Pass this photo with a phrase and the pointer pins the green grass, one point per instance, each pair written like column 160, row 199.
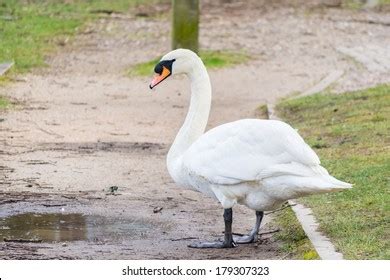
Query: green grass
column 4, row 103
column 31, row 29
column 295, row 242
column 350, row 132
column 357, row 4
column 212, row 60
column 261, row 112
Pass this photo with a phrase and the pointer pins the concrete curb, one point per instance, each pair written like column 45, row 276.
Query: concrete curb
column 4, row 67
column 323, row 84
column 321, row 243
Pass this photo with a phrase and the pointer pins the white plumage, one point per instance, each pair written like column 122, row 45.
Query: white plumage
column 247, row 158
column 258, row 163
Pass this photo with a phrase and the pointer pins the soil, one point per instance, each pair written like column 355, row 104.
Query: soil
column 84, row 128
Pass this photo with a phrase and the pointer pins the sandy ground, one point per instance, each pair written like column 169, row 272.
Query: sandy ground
column 84, row 126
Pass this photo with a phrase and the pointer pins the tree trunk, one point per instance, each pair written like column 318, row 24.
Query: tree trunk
column 185, row 24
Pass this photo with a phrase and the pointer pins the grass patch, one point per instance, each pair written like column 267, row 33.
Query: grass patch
column 295, row 241
column 31, row 29
column 219, row 59
column 144, row 68
column 350, row 134
column 261, row 112
column 4, row 103
column 357, row 4
column 352, row 4
column 212, row 60
column 4, row 79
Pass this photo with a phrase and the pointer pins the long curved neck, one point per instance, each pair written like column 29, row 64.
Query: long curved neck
column 198, row 113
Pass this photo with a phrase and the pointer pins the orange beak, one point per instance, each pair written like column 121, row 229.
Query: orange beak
column 159, row 78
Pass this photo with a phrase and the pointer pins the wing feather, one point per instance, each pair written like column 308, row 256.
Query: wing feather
column 244, row 150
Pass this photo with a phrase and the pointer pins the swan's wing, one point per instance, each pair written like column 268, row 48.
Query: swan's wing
column 245, row 150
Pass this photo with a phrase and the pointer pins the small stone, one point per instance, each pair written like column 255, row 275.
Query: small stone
column 157, row 209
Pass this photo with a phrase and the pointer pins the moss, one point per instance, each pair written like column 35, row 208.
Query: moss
column 185, row 24
column 310, row 255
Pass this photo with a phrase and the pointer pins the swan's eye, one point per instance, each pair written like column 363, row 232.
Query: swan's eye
column 158, row 69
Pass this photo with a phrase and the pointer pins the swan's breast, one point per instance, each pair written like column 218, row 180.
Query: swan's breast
column 251, row 194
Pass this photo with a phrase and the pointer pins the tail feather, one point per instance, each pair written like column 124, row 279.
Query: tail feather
column 310, row 177
column 330, row 179
column 337, row 184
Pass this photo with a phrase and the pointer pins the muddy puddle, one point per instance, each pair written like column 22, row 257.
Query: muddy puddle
column 58, row 227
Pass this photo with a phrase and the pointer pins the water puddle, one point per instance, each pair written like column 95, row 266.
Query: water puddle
column 57, row 227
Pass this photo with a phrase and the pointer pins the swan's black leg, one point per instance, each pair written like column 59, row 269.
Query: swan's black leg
column 252, row 237
column 228, row 239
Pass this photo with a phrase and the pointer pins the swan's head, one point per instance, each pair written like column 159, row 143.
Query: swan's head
column 179, row 61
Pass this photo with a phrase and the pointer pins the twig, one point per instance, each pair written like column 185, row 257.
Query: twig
column 190, row 199
column 10, row 201
column 54, row 205
column 269, row 232
column 184, row 238
column 366, row 21
column 157, row 209
column 280, row 209
column 23, row 240
column 36, row 162
column 47, row 131
column 68, row 196
column 260, row 233
column 286, row 256
column 104, row 11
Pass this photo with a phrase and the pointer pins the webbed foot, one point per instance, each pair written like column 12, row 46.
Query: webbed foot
column 245, row 239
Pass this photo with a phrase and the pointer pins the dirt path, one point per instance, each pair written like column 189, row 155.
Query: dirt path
column 85, row 126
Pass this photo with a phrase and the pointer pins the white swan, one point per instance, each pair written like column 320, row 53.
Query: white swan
column 257, row 163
